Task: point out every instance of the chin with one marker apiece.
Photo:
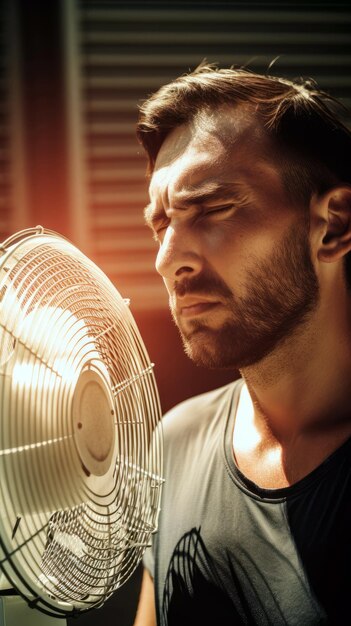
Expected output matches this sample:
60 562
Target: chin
205 349
224 349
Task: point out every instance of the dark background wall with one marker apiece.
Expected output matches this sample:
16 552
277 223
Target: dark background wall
71 76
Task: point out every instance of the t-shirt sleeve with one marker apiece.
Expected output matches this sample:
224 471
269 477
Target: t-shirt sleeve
149 561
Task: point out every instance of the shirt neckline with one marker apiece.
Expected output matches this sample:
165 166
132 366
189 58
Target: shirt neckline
251 488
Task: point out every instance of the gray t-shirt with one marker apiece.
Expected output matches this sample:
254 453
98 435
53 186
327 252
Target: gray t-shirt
229 552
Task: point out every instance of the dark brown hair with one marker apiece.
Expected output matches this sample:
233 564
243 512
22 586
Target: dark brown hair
310 140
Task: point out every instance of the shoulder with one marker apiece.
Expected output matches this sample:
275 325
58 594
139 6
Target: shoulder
192 435
194 414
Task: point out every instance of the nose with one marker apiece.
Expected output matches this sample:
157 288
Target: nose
179 254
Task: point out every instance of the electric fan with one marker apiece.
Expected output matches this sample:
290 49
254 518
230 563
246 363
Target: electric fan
80 435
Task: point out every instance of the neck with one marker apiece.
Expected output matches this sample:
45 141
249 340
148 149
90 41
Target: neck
304 385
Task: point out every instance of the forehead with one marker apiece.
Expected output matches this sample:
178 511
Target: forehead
217 144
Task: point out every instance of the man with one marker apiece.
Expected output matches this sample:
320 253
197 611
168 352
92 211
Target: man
250 201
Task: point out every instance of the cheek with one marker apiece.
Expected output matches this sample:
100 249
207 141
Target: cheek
228 256
235 236
233 256
247 238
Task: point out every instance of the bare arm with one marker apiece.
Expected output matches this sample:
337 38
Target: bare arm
146 613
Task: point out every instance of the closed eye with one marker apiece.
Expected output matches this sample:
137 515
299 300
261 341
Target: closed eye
219 209
156 220
158 227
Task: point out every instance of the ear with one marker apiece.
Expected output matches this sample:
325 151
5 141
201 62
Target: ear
334 207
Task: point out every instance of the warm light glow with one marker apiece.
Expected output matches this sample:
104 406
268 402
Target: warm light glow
273 456
53 346
11 317
33 446
11 314
246 435
33 376
245 432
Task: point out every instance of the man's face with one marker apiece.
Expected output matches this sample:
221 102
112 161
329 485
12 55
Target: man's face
234 249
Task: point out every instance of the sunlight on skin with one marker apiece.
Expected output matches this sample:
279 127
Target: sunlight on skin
245 433
246 436
274 456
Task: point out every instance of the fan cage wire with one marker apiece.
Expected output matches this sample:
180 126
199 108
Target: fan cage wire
124 389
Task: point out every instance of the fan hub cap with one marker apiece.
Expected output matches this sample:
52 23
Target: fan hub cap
94 427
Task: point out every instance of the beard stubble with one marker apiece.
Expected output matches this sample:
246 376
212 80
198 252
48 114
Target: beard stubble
281 293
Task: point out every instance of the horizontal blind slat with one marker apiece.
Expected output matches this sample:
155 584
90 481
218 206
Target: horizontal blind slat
126 54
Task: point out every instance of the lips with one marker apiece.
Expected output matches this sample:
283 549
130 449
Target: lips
190 307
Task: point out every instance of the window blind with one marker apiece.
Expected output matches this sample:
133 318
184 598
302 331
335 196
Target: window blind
127 50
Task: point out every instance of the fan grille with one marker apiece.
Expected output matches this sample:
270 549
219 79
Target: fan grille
80 437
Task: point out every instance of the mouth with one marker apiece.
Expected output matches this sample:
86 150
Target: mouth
194 308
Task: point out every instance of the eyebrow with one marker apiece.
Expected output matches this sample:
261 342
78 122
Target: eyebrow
200 196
